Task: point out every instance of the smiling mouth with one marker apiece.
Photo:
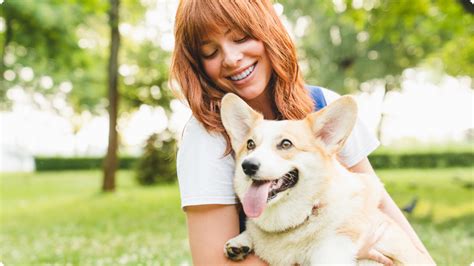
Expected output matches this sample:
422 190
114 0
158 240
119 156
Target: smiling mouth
281 184
244 74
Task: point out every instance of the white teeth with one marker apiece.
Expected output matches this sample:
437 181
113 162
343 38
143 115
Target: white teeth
243 74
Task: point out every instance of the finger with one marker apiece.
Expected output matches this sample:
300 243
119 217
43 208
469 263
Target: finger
374 236
379 257
379 232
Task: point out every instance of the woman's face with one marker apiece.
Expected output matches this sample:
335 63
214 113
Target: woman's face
236 63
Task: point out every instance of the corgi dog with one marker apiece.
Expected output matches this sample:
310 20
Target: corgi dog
303 206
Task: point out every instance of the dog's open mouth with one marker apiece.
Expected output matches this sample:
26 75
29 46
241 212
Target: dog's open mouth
283 183
262 191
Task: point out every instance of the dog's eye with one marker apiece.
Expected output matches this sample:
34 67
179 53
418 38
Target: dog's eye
285 144
250 144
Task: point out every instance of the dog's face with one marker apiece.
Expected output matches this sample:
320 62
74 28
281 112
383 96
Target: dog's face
283 166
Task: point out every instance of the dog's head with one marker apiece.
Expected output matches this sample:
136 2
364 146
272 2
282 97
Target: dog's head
282 167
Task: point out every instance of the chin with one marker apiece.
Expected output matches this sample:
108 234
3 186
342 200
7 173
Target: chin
250 93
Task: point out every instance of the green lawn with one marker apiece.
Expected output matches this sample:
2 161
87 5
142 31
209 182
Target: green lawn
61 218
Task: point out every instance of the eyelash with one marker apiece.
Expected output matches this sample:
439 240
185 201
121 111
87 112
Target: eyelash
210 56
242 40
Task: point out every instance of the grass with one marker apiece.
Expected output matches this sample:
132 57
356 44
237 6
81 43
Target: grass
61 218
444 216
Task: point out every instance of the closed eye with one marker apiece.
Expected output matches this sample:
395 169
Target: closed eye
209 55
243 39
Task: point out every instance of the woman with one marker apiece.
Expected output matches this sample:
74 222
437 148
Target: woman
241 46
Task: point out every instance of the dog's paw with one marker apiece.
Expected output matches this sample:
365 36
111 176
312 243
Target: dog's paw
236 252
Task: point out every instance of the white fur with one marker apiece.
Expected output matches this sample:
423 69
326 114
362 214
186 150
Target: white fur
290 231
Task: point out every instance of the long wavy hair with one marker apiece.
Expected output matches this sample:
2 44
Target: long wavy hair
196 19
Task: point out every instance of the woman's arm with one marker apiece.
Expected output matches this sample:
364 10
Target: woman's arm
389 207
209 228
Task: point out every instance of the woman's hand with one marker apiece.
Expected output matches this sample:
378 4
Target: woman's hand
366 245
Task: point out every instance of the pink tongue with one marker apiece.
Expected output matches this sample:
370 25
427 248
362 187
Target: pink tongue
255 199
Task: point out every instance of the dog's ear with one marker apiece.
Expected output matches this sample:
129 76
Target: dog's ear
238 118
335 122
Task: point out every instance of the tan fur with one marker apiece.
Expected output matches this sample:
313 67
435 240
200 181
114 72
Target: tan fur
322 219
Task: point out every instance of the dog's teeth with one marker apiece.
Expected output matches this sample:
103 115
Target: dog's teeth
283 183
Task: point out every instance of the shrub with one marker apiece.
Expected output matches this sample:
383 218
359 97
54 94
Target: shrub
77 163
421 160
158 163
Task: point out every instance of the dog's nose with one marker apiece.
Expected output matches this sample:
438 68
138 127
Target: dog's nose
250 167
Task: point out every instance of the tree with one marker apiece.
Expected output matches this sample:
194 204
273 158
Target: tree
63 41
41 35
110 162
347 43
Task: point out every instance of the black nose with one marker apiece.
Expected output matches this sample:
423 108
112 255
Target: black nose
250 167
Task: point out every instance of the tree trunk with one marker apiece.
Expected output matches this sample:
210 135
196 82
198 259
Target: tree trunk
110 162
6 42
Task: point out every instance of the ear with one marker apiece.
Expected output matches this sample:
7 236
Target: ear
238 118
334 123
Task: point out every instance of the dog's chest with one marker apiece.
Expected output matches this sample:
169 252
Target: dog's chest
294 247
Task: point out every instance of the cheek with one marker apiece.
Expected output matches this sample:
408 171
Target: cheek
260 51
211 67
257 47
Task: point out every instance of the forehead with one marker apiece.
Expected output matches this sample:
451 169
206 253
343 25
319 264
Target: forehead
271 130
216 34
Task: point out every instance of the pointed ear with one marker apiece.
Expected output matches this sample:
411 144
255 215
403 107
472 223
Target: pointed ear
334 123
238 118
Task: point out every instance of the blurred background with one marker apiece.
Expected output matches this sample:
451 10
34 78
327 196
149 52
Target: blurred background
89 126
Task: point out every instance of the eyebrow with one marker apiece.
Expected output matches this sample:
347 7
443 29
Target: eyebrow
225 33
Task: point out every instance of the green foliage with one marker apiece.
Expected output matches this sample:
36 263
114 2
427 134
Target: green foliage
157 164
46 36
78 163
347 45
150 83
43 35
421 160
61 218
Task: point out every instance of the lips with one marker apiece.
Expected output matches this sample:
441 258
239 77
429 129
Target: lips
243 74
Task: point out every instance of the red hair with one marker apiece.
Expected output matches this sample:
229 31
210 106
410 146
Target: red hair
256 18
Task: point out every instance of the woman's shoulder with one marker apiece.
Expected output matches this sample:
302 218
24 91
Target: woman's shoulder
197 142
194 131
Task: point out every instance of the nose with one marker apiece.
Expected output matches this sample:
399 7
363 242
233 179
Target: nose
250 166
232 56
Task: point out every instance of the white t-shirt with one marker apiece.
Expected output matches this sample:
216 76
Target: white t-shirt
205 175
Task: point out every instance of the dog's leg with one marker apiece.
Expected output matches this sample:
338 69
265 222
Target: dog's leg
238 247
334 250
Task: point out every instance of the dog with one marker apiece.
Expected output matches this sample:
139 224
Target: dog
303 206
